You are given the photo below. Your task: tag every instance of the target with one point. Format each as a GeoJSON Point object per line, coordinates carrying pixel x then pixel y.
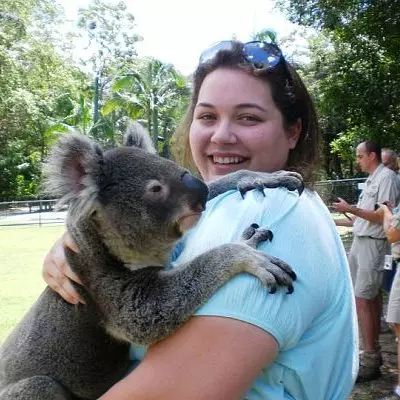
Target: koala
{"type": "Point", "coordinates": [127, 210]}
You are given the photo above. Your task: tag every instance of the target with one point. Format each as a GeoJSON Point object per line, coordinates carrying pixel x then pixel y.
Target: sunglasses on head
{"type": "Point", "coordinates": [261, 55]}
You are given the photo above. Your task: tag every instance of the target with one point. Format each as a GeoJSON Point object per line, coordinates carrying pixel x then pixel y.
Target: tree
{"type": "Point", "coordinates": [356, 74]}
{"type": "Point", "coordinates": [110, 30]}
{"type": "Point", "coordinates": [152, 91]}
{"type": "Point", "coordinates": [33, 80]}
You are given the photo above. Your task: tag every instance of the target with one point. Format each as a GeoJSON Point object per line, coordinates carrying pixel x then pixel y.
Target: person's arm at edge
{"type": "Point", "coordinates": [207, 358]}
{"type": "Point", "coordinates": [392, 234]}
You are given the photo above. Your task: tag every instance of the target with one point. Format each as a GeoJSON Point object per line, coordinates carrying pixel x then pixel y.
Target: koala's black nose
{"type": "Point", "coordinates": [197, 187]}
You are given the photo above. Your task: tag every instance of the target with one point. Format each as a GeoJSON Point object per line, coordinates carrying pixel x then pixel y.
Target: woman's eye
{"type": "Point", "coordinates": [249, 118]}
{"type": "Point", "coordinates": [207, 117]}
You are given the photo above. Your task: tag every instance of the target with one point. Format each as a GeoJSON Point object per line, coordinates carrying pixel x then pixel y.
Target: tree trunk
{"type": "Point", "coordinates": [155, 127]}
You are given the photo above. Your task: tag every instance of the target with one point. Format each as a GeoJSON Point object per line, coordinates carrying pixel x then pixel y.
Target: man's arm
{"type": "Point", "coordinates": [344, 222]}
{"type": "Point", "coordinates": [373, 216]}
{"type": "Point", "coordinates": [207, 358]}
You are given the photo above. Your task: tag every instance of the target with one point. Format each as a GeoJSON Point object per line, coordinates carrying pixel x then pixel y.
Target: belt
{"type": "Point", "coordinates": [371, 237]}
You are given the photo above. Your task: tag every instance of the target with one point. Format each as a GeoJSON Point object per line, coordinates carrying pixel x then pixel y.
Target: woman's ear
{"type": "Point", "coordinates": [294, 134]}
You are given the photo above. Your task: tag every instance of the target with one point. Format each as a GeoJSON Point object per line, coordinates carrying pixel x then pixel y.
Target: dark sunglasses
{"type": "Point", "coordinates": [261, 55]}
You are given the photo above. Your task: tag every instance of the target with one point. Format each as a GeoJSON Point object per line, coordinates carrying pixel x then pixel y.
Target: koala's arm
{"type": "Point", "coordinates": [148, 304]}
{"type": "Point", "coordinates": [245, 180]}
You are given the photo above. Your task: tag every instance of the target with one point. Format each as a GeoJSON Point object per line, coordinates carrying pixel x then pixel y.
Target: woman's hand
{"type": "Point", "coordinates": [57, 273]}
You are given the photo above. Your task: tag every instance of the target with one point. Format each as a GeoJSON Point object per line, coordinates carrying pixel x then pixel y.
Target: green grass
{"type": "Point", "coordinates": [22, 250]}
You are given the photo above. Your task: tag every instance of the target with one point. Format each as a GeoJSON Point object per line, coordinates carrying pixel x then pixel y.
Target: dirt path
{"type": "Point", "coordinates": [383, 386]}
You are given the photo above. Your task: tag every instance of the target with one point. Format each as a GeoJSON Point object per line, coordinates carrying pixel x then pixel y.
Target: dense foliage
{"type": "Point", "coordinates": [354, 73]}
{"type": "Point", "coordinates": [35, 83]}
{"type": "Point", "coordinates": [352, 67]}
{"type": "Point", "coordinates": [45, 91]}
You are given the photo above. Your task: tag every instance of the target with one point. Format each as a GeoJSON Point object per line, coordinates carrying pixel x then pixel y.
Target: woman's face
{"type": "Point", "coordinates": [236, 125]}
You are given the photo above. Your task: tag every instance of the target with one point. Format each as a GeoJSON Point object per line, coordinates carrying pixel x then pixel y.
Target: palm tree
{"type": "Point", "coordinates": [153, 92]}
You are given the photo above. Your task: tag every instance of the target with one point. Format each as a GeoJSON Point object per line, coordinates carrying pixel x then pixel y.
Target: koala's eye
{"type": "Point", "coordinates": [156, 188]}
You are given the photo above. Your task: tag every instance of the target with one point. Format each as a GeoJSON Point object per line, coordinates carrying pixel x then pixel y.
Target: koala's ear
{"type": "Point", "coordinates": [137, 136]}
{"type": "Point", "coordinates": [70, 169]}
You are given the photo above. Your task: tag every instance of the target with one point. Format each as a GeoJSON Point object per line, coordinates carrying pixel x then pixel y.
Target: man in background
{"type": "Point", "coordinates": [389, 159]}
{"type": "Point", "coordinates": [368, 250]}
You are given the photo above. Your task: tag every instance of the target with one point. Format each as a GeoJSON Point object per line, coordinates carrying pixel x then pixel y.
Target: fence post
{"type": "Point", "coordinates": [40, 213]}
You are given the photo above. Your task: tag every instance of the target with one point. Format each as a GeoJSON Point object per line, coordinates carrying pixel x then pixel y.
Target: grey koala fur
{"type": "Point", "coordinates": [127, 209]}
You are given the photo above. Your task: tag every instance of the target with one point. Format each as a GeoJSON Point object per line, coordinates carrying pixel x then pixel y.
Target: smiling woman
{"type": "Point", "coordinates": [250, 110]}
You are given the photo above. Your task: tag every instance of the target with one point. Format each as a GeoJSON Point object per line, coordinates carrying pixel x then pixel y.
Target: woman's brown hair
{"type": "Point", "coordinates": [290, 96]}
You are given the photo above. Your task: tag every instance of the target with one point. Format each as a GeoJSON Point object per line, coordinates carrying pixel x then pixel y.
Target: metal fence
{"type": "Point", "coordinates": [41, 212]}
{"type": "Point", "coordinates": [347, 189]}
{"type": "Point", "coordinates": [30, 212]}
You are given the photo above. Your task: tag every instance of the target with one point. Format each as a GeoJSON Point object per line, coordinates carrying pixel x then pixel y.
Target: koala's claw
{"type": "Point", "coordinates": [262, 235]}
{"type": "Point", "coordinates": [283, 274]}
{"type": "Point", "coordinates": [272, 289]}
{"type": "Point", "coordinates": [250, 186]}
{"type": "Point", "coordinates": [260, 180]}
{"type": "Point", "coordinates": [283, 266]}
{"type": "Point", "coordinates": [272, 271]}
{"type": "Point", "coordinates": [254, 235]}
{"type": "Point", "coordinates": [290, 289]}
{"type": "Point", "coordinates": [249, 232]}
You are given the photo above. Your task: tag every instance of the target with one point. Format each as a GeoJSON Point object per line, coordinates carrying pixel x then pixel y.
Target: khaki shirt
{"type": "Point", "coordinates": [382, 185]}
{"type": "Point", "coordinates": [396, 245]}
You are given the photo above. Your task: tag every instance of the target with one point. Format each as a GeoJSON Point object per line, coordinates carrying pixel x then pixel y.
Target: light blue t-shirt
{"type": "Point", "coordinates": [316, 326]}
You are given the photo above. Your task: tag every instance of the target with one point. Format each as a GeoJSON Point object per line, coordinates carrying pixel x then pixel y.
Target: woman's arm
{"type": "Point", "coordinates": [207, 358]}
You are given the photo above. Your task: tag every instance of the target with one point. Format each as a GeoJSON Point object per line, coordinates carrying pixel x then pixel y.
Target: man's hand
{"type": "Point", "coordinates": [342, 206]}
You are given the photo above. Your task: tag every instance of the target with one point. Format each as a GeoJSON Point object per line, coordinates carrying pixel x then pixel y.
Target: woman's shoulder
{"type": "Point", "coordinates": [279, 210]}
{"type": "Point", "coordinates": [276, 207]}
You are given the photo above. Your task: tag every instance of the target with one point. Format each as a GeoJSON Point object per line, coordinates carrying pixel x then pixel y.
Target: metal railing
{"type": "Point", "coordinates": [347, 189]}
{"type": "Point", "coordinates": [42, 212]}
{"type": "Point", "coordinates": [30, 212]}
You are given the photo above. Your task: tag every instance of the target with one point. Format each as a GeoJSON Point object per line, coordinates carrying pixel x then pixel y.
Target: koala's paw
{"type": "Point", "coordinates": [260, 180]}
{"type": "Point", "coordinates": [254, 235]}
{"type": "Point", "coordinates": [272, 272]}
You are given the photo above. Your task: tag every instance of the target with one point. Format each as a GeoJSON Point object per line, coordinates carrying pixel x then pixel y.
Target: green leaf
{"type": "Point", "coordinates": [111, 105]}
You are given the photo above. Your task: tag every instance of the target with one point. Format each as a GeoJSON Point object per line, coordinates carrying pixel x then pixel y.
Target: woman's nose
{"type": "Point", "coordinates": [223, 133]}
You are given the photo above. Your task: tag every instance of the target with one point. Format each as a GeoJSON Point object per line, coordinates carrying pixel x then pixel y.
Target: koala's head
{"type": "Point", "coordinates": [141, 203]}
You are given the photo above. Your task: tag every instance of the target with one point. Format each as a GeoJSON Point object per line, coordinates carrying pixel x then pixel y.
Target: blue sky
{"type": "Point", "coordinates": [177, 31]}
